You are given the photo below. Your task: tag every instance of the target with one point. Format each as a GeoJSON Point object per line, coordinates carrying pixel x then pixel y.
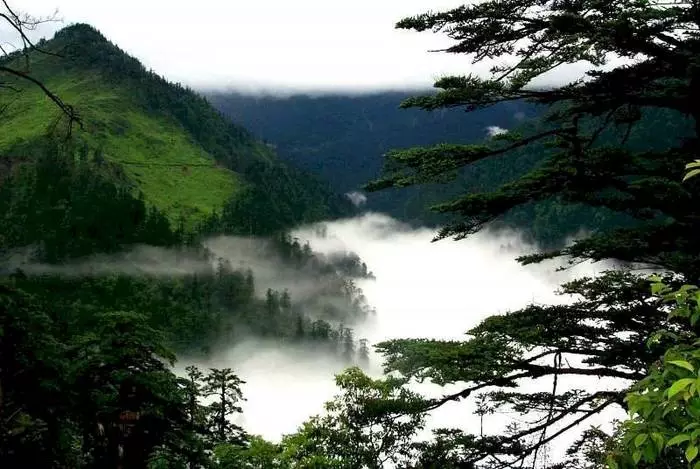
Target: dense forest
{"type": "Point", "coordinates": [344, 139]}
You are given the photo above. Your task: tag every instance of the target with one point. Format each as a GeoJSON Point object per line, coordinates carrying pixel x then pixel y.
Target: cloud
{"type": "Point", "coordinates": [277, 45]}
{"type": "Point", "coordinates": [357, 198]}
{"type": "Point", "coordinates": [494, 130]}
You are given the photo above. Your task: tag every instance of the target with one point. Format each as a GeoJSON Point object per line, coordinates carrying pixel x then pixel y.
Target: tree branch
{"type": "Point", "coordinates": [66, 108]}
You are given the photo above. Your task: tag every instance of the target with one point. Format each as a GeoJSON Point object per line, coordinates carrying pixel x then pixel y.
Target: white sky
{"type": "Point", "coordinates": [273, 44]}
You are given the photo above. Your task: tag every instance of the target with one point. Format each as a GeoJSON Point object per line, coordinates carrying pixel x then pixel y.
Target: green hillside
{"type": "Point", "coordinates": [172, 145]}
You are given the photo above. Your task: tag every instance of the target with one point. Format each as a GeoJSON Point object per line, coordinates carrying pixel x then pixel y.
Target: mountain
{"type": "Point", "coordinates": [127, 213]}
{"type": "Point", "coordinates": [342, 137]}
{"type": "Point", "coordinates": [168, 143]}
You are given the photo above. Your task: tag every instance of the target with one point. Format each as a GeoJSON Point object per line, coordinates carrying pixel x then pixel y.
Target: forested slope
{"type": "Point", "coordinates": [344, 138]}
{"type": "Point", "coordinates": [168, 142]}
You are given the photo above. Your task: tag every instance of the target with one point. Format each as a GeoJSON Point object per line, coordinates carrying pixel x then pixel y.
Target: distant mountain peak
{"type": "Point", "coordinates": [81, 31]}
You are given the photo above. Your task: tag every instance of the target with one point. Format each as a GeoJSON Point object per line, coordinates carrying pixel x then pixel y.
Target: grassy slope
{"type": "Point", "coordinates": [158, 155]}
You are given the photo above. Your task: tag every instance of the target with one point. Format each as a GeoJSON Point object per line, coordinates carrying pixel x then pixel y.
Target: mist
{"type": "Point", "coordinates": [419, 289]}
{"type": "Point", "coordinates": [422, 289]}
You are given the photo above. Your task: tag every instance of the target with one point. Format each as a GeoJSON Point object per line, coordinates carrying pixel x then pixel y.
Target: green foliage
{"type": "Point", "coordinates": [371, 424]}
{"type": "Point", "coordinates": [82, 400]}
{"type": "Point", "coordinates": [64, 206]}
{"type": "Point", "coordinates": [282, 194]}
{"type": "Point", "coordinates": [664, 407]}
{"type": "Point", "coordinates": [225, 387]}
{"type": "Point", "coordinates": [255, 454]}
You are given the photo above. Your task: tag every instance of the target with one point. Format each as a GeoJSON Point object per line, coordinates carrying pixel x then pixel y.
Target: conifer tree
{"type": "Point", "coordinates": [225, 387]}
{"type": "Point", "coordinates": [586, 160]}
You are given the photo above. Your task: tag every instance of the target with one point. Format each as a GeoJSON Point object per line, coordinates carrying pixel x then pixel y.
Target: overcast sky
{"type": "Point", "coordinates": [272, 44]}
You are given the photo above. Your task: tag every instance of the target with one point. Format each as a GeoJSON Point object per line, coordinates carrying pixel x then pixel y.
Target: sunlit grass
{"type": "Point", "coordinates": [158, 155]}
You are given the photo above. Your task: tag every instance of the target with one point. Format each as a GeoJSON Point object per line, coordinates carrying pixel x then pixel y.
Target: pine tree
{"type": "Point", "coordinates": [363, 352]}
{"type": "Point", "coordinates": [348, 343]}
{"type": "Point", "coordinates": [587, 159]}
{"type": "Point", "coordinates": [286, 302]}
{"type": "Point", "coordinates": [225, 387]}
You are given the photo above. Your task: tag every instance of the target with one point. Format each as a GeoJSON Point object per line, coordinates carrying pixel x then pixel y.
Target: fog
{"type": "Point", "coordinates": [242, 252]}
{"type": "Point", "coordinates": [422, 289]}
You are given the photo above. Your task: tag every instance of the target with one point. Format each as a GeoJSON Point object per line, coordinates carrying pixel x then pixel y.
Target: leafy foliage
{"type": "Point", "coordinates": [664, 406]}
{"type": "Point", "coordinates": [371, 424]}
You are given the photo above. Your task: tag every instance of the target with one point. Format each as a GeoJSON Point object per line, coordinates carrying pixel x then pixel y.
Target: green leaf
{"type": "Point", "coordinates": [640, 439]}
{"type": "Point", "coordinates": [683, 364]}
{"type": "Point", "coordinates": [691, 174]}
{"type": "Point", "coordinates": [679, 386]}
{"type": "Point", "coordinates": [650, 453]}
{"type": "Point", "coordinates": [691, 453]}
{"type": "Point", "coordinates": [658, 439]}
{"type": "Point", "coordinates": [612, 464]}
{"type": "Point", "coordinates": [678, 439]}
{"type": "Point", "coordinates": [636, 456]}
{"type": "Point", "coordinates": [694, 318]}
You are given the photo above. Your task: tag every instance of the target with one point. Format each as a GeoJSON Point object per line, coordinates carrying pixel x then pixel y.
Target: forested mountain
{"type": "Point", "coordinates": [115, 254]}
{"type": "Point", "coordinates": [344, 138]}
{"type": "Point", "coordinates": [165, 141]}
{"type": "Point", "coordinates": [133, 215]}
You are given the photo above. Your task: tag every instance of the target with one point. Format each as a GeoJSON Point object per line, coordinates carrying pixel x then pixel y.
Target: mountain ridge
{"type": "Point", "coordinates": [184, 156]}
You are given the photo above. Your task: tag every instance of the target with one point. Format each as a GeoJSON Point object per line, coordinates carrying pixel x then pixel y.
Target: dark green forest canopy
{"type": "Point", "coordinates": [343, 139]}
{"type": "Point", "coordinates": [595, 154]}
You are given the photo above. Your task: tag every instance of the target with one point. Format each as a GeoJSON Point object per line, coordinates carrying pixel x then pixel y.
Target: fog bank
{"type": "Point", "coordinates": [422, 289]}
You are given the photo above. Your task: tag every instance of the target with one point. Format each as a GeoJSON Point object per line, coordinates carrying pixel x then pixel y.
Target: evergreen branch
{"type": "Point", "coordinates": [560, 432]}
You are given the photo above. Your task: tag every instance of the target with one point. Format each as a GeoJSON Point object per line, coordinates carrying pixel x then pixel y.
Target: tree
{"type": "Point", "coordinates": [131, 403]}
{"type": "Point", "coordinates": [196, 413]}
{"type": "Point", "coordinates": [14, 63]}
{"type": "Point", "coordinates": [588, 160]}
{"type": "Point", "coordinates": [363, 352]}
{"type": "Point", "coordinates": [225, 387]}
{"type": "Point", "coordinates": [371, 424]}
{"type": "Point", "coordinates": [256, 454]}
{"type": "Point", "coordinates": [664, 407]}
{"type": "Point", "coordinates": [34, 405]}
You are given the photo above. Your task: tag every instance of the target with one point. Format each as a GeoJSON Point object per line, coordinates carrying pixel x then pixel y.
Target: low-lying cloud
{"type": "Point", "coordinates": [494, 130]}
{"type": "Point", "coordinates": [357, 198]}
{"type": "Point", "coordinates": [242, 253]}
{"type": "Point", "coordinates": [422, 289]}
